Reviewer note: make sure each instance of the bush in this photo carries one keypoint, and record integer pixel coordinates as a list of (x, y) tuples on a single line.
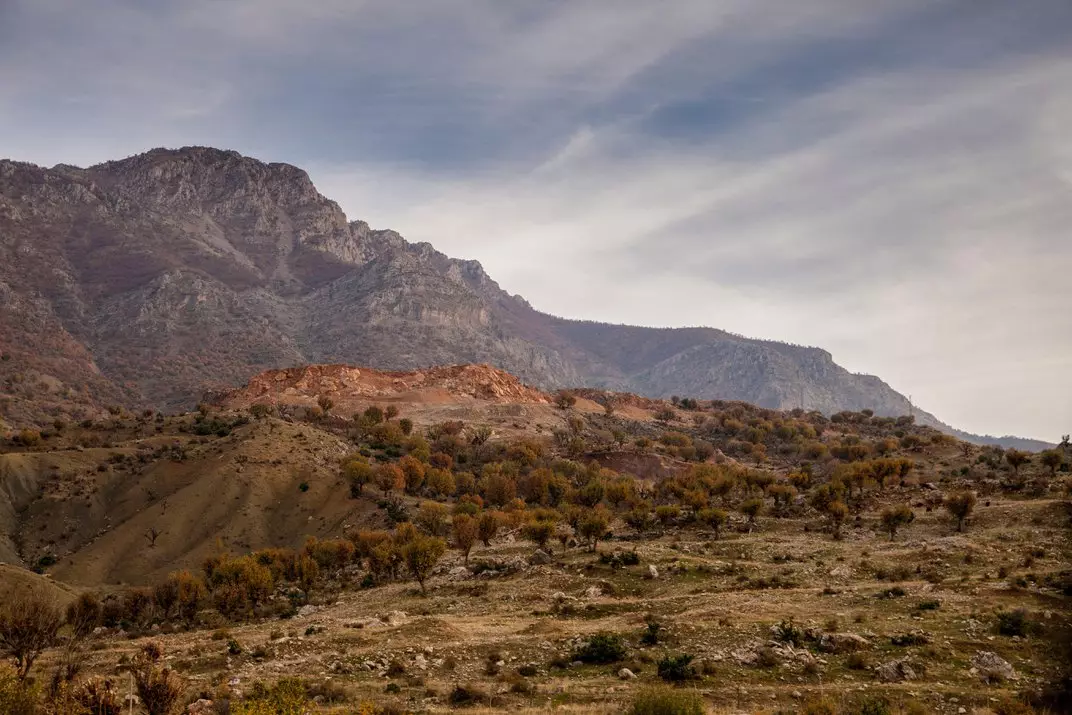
[(651, 630), (467, 695), (28, 625), (1013, 623), (287, 697), (666, 701), (677, 668), (158, 686), (820, 706), (789, 632), (601, 648)]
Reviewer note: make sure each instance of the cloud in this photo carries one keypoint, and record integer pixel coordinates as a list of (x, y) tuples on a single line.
[(888, 179)]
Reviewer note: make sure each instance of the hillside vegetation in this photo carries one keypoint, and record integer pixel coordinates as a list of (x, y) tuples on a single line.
[(421, 542)]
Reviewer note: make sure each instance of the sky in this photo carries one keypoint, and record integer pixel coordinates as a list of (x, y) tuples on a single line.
[(890, 180)]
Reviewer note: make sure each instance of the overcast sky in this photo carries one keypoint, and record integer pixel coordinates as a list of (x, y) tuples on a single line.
[(888, 179)]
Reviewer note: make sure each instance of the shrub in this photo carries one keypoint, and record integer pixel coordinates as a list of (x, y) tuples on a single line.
[(28, 625), (158, 686), (287, 697), (677, 668), (909, 639), (819, 706), (789, 632), (467, 695), (1013, 623), (871, 706), (83, 615), (99, 696), (857, 661), (601, 648), (16, 694), (666, 701)]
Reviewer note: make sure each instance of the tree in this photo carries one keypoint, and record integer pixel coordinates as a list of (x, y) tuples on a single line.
[(432, 518), (413, 471), (960, 506), (838, 512), (466, 529), (325, 403), (714, 518), (390, 412), (388, 477), (488, 527), (1051, 459), (539, 531), (894, 518), (28, 626), (752, 508), (158, 686), (1017, 459), (358, 473), (593, 526), (421, 554), (565, 400)]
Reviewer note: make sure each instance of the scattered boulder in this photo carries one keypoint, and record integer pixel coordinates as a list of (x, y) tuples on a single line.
[(626, 674), (895, 671), (307, 610), (992, 668), (540, 558), (395, 618), (652, 571), (593, 592), (839, 643)]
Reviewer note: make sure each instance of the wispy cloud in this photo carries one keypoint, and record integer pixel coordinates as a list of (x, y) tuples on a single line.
[(888, 179)]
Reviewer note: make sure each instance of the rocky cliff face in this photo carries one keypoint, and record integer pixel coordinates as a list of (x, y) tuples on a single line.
[(151, 279)]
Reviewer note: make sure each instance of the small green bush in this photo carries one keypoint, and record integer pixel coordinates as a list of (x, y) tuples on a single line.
[(666, 701), (1012, 623), (677, 668), (601, 648)]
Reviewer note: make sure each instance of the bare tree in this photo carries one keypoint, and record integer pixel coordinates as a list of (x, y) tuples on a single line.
[(152, 535)]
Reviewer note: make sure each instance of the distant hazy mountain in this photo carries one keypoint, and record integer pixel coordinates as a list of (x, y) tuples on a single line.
[(147, 280)]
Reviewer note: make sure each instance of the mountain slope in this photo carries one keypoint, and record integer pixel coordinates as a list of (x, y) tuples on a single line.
[(153, 278)]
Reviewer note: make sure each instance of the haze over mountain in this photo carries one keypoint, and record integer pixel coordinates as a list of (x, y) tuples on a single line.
[(150, 279)]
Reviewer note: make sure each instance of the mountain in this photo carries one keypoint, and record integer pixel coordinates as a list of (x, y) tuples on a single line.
[(146, 281)]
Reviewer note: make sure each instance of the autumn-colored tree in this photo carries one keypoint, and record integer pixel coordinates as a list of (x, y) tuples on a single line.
[(714, 518), (639, 518), (325, 403), (390, 412), (388, 477), (421, 554), (432, 518), (539, 532), (440, 482), (752, 508), (1017, 459), (894, 518), (357, 473), (593, 526), (413, 471), (488, 527), (565, 400), (466, 530), (838, 512), (960, 506)]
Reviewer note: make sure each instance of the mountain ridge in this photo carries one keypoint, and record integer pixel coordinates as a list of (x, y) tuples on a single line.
[(178, 270)]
